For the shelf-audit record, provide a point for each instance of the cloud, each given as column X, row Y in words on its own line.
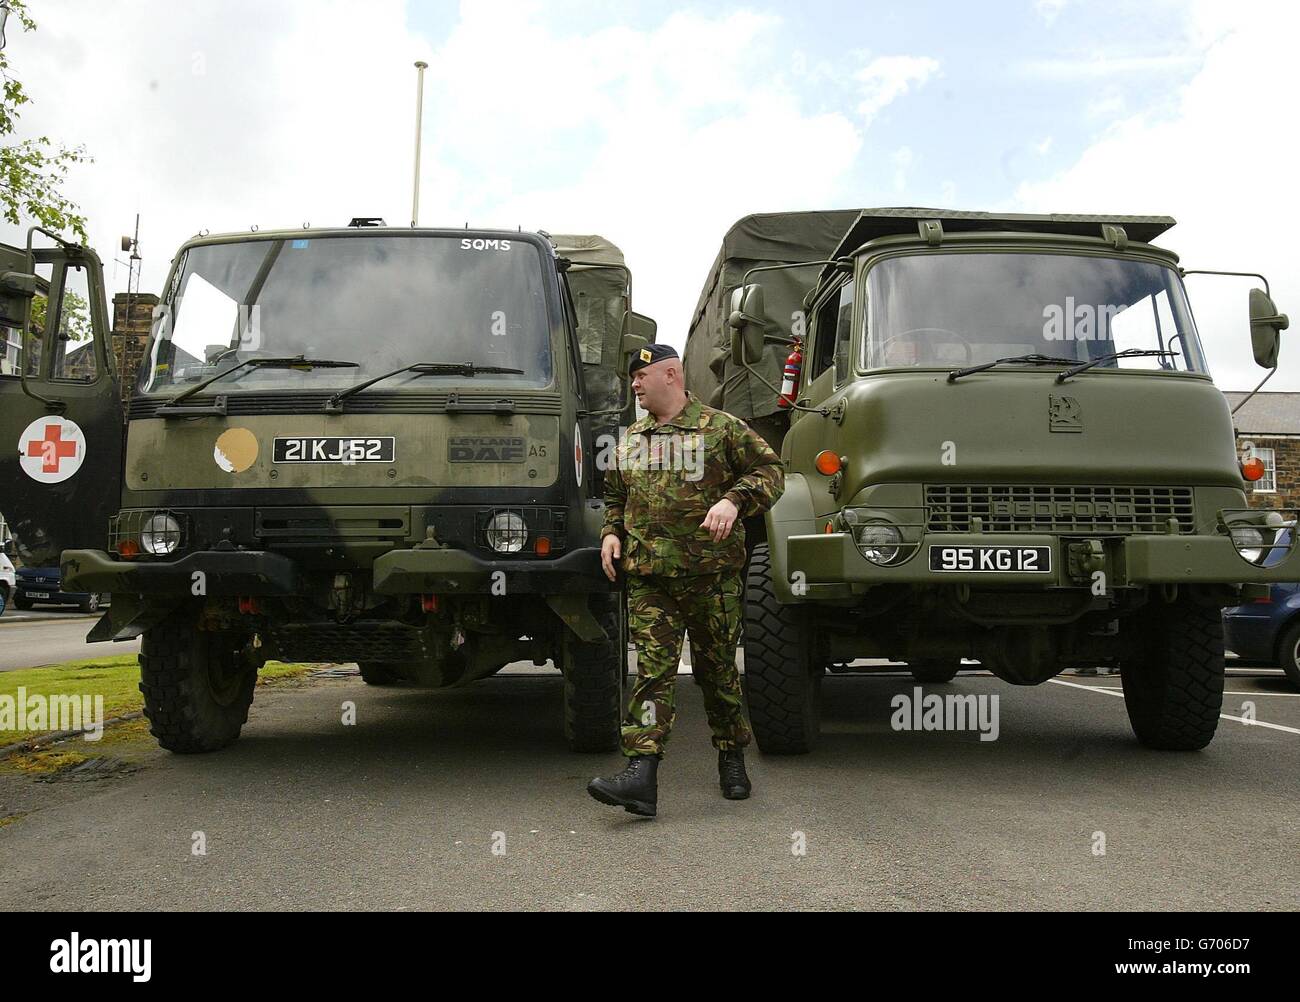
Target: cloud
column 902, row 159
column 887, row 78
column 1222, row 164
column 1104, row 66
column 657, row 137
column 1050, row 10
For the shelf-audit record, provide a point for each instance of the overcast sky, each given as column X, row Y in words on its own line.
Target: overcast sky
column 658, row 125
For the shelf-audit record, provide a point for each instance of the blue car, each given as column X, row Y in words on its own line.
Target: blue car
column 41, row 585
column 1268, row 629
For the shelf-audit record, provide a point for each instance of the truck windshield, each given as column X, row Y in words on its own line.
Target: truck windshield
column 954, row 310
column 382, row 301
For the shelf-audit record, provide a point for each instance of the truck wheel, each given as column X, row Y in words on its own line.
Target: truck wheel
column 934, row 671
column 782, row 679
column 89, row 604
column 1173, row 680
column 197, row 686
column 594, row 676
column 4, row 599
column 1288, row 653
column 376, row 673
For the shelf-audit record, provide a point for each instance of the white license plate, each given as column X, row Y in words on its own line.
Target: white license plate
column 992, row 559
column 38, row 594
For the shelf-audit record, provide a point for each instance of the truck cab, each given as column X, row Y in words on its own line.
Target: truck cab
column 363, row 444
column 1005, row 446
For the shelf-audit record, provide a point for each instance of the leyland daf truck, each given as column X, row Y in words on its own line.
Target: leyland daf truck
column 363, row 444
column 1002, row 443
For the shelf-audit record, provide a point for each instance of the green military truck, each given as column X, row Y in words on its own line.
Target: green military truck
column 363, row 444
column 1005, row 445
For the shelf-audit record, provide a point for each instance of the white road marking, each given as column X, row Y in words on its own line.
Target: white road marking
column 1225, row 716
column 1226, row 692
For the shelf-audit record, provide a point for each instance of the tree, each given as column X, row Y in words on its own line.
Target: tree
column 32, row 172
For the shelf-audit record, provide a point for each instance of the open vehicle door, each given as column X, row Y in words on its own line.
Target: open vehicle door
column 61, row 420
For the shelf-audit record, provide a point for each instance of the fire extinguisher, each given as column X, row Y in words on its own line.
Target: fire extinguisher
column 790, row 381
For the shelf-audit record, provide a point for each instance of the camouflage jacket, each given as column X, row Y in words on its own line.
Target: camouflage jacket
column 666, row 478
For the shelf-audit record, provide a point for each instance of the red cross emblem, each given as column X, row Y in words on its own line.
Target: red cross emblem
column 51, row 449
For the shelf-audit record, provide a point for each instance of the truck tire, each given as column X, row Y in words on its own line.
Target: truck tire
column 376, row 673
column 783, row 680
column 1173, row 679
column 1288, row 653
column 594, row 677
column 4, row 599
column 197, row 686
column 934, row 672
column 90, row 603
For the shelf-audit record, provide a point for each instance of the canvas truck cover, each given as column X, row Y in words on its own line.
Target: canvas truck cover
column 768, row 238
column 602, row 293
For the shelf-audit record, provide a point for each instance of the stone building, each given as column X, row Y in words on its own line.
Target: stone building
column 132, row 318
column 1270, row 423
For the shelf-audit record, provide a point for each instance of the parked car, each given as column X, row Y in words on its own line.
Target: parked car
column 1268, row 629
column 41, row 586
column 7, row 582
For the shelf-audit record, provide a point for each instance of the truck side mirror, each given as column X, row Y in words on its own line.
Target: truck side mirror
column 748, row 325
column 16, row 291
column 644, row 327
column 632, row 343
column 1266, row 326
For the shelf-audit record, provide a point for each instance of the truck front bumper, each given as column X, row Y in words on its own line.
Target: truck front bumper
column 831, row 560
column 398, row 572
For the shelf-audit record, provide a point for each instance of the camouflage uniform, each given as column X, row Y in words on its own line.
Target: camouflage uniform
column 677, row 576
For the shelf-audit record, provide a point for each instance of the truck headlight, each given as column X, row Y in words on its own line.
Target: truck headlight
column 161, row 535
column 879, row 542
column 1249, row 542
column 507, row 532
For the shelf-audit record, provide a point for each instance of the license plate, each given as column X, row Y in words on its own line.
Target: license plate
column 992, row 559
column 38, row 594
column 316, row 449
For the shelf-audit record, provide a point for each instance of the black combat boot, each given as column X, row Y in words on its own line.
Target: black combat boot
column 635, row 789
column 731, row 775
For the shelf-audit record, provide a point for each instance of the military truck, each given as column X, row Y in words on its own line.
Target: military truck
column 1005, row 445
column 363, row 444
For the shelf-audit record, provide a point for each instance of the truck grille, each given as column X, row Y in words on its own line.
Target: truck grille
column 1038, row 508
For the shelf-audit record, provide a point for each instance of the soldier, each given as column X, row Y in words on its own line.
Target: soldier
column 686, row 474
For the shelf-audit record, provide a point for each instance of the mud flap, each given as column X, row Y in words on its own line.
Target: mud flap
column 127, row 618
column 576, row 615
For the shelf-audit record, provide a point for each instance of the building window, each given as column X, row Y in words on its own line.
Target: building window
column 1267, row 484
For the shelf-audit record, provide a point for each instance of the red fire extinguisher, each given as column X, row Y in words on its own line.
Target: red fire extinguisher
column 790, row 381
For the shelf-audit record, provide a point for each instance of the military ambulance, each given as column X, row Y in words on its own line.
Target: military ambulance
column 363, row 444
column 1001, row 443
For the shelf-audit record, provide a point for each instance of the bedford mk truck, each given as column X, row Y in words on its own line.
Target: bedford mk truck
column 363, row 444
column 1004, row 445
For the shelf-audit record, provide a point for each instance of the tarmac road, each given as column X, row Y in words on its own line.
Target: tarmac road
column 32, row 639
column 404, row 810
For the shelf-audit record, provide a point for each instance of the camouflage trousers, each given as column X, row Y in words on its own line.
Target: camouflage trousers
column 659, row 608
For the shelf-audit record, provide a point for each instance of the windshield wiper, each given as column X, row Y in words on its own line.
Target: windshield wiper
column 334, row 405
column 1034, row 359
column 1126, row 353
column 294, row 362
